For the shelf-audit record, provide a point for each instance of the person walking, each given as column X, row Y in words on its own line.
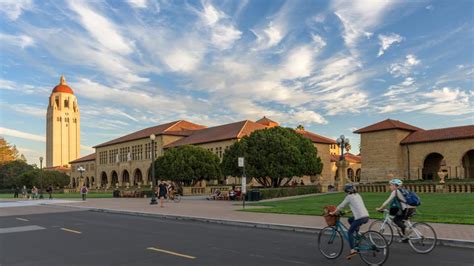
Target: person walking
column 162, row 189
column 84, row 191
column 50, row 191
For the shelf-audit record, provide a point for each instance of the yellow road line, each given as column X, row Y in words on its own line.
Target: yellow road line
column 172, row 253
column 72, row 231
column 22, row 219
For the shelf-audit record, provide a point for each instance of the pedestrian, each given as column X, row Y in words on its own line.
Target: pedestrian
column 34, row 192
column 84, row 191
column 24, row 192
column 16, row 192
column 50, row 191
column 162, row 188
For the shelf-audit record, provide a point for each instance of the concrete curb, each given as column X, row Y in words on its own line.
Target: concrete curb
column 282, row 227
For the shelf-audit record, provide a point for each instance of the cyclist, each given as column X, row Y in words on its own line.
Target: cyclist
column 398, row 207
column 171, row 191
column 361, row 215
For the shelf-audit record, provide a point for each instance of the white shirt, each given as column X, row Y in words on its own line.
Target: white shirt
column 401, row 199
column 356, row 204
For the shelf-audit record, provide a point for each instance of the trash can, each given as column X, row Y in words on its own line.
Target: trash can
column 255, row 195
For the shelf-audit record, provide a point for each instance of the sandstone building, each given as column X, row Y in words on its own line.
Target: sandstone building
column 391, row 148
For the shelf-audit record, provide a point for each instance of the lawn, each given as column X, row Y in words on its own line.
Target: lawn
column 64, row 195
column 438, row 208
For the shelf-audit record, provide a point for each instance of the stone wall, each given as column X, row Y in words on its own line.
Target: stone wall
column 382, row 154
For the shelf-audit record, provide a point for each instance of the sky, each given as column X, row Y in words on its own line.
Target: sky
column 331, row 66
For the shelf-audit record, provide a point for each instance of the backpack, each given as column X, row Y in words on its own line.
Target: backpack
column 84, row 190
column 411, row 198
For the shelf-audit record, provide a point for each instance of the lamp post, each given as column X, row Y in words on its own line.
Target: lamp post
column 342, row 164
column 41, row 171
column 153, row 196
column 81, row 170
column 343, row 142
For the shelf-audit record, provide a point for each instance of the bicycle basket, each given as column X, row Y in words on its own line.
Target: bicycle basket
column 330, row 219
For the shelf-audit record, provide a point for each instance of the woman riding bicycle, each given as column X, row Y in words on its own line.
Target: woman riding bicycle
column 361, row 215
column 398, row 206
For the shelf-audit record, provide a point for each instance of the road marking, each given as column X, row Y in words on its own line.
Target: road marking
column 172, row 253
column 70, row 230
column 22, row 219
column 20, row 229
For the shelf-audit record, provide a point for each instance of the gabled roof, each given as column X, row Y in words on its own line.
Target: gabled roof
column 90, row 157
column 450, row 133
column 235, row 130
column 348, row 156
column 267, row 122
column 386, row 125
column 315, row 137
column 176, row 128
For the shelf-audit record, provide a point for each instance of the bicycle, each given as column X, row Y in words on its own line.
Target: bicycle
column 371, row 246
column 421, row 236
column 176, row 198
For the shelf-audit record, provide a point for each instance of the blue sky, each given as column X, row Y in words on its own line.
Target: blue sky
column 332, row 66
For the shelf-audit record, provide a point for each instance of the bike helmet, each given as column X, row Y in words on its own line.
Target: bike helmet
column 349, row 188
column 397, row 182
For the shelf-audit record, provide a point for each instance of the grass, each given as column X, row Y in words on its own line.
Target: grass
column 438, row 208
column 64, row 195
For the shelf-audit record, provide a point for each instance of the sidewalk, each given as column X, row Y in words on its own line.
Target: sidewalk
column 228, row 212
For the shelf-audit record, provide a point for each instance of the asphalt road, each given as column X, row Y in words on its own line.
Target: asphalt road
column 92, row 238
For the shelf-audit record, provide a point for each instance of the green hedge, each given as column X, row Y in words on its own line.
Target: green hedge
column 270, row 193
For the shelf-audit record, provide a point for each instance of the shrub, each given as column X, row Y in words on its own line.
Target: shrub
column 270, row 193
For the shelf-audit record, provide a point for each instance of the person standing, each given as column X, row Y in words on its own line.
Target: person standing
column 84, row 191
column 34, row 192
column 24, row 192
column 16, row 192
column 162, row 189
column 50, row 191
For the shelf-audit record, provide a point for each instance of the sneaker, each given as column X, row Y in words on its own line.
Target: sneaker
column 352, row 254
column 404, row 240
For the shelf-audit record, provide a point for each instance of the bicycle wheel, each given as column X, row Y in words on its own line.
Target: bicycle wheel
column 422, row 237
column 383, row 228
column 330, row 242
column 373, row 248
column 177, row 198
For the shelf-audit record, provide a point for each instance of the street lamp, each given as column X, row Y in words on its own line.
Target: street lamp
column 81, row 170
column 343, row 142
column 41, row 168
column 153, row 196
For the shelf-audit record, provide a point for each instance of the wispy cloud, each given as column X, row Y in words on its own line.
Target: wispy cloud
column 14, row 8
column 405, row 67
column 386, row 41
column 20, row 134
column 21, row 41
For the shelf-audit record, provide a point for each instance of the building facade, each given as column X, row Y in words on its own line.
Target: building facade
column 63, row 123
column 391, row 148
column 126, row 161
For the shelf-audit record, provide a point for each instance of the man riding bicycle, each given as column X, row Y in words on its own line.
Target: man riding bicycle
column 361, row 215
column 398, row 207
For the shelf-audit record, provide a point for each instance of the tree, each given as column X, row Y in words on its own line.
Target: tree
column 8, row 153
column 11, row 170
column 188, row 164
column 273, row 156
column 300, row 127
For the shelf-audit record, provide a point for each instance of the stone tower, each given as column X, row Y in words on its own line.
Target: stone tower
column 63, row 135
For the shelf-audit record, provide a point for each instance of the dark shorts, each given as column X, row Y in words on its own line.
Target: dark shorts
column 162, row 195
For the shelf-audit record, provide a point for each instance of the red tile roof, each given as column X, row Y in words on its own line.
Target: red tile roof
column 180, row 128
column 387, row 124
column 348, row 156
column 63, row 88
column 235, row 130
column 450, row 133
column 315, row 137
column 90, row 157
column 267, row 122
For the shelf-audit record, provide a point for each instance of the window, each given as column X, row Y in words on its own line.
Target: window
column 103, row 157
column 113, row 156
column 66, row 103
